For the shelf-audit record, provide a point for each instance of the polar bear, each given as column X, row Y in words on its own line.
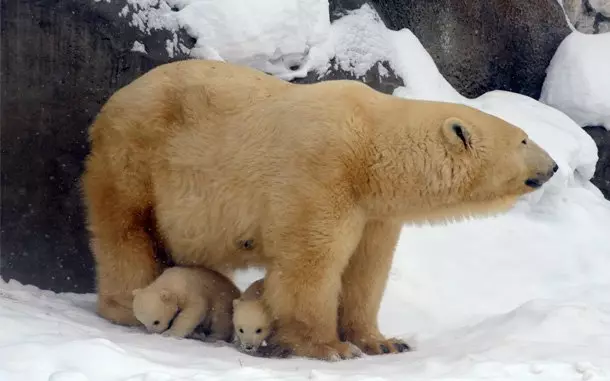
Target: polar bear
column 182, row 298
column 251, row 319
column 197, row 157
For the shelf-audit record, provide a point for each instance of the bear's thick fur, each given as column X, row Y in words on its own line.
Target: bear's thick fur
column 199, row 157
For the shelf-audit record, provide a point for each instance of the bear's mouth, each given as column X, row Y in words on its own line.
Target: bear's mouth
column 171, row 321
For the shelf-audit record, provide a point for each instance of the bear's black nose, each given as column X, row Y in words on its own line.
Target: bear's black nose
column 555, row 168
column 533, row 183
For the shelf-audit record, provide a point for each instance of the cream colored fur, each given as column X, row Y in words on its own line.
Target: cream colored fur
column 251, row 318
column 187, row 297
column 197, row 157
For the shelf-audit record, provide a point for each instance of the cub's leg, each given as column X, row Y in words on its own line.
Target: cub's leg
column 303, row 282
column 188, row 318
column 221, row 327
column 364, row 282
column 123, row 250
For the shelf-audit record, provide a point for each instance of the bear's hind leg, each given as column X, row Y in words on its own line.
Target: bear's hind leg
column 122, row 246
column 122, row 265
column 364, row 282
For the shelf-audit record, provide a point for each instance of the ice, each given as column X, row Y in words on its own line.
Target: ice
column 520, row 296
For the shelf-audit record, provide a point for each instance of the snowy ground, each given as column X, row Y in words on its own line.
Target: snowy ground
column 522, row 296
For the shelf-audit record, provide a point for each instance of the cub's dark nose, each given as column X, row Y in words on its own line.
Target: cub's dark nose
column 541, row 178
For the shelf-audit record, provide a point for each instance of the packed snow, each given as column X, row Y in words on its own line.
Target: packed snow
column 578, row 79
column 520, row 296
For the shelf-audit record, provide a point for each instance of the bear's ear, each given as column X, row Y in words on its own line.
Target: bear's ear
column 135, row 291
column 458, row 134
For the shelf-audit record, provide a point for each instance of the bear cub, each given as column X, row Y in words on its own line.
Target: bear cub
column 183, row 298
column 251, row 319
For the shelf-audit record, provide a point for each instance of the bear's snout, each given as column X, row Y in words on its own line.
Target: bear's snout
column 542, row 177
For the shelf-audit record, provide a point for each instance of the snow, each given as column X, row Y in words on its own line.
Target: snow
column 578, row 79
column 520, row 296
column 138, row 47
column 275, row 36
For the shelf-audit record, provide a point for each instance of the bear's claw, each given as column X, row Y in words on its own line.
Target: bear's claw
column 382, row 346
column 328, row 352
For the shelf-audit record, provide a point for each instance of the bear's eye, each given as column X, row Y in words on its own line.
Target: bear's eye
column 156, row 322
column 258, row 331
column 523, row 141
column 241, row 330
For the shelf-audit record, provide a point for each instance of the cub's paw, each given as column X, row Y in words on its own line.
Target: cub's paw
column 174, row 334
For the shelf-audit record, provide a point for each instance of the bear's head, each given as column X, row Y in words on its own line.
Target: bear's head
column 155, row 309
column 494, row 160
column 252, row 324
column 450, row 160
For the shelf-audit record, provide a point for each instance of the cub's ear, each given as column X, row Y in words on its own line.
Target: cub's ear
column 135, row 291
column 235, row 302
column 458, row 134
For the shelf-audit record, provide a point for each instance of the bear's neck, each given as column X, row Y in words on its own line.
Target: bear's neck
column 398, row 180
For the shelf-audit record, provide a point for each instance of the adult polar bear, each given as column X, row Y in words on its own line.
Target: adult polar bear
column 200, row 156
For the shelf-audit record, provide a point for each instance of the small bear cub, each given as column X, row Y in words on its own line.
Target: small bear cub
column 251, row 318
column 183, row 298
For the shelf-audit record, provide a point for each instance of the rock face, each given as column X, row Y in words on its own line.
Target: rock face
column 589, row 16
column 60, row 61
column 481, row 45
column 601, row 136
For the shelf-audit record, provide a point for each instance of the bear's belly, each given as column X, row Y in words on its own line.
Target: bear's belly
column 211, row 228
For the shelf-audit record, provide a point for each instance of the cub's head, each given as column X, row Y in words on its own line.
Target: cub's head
column 156, row 309
column 487, row 159
column 252, row 324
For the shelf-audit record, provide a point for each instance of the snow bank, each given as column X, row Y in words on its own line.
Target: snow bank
column 276, row 36
column 578, row 79
column 521, row 296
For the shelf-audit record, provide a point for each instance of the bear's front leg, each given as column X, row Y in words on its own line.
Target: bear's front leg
column 302, row 287
column 364, row 282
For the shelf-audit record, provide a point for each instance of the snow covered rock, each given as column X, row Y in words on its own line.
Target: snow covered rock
column 589, row 16
column 480, row 46
column 578, row 84
column 578, row 79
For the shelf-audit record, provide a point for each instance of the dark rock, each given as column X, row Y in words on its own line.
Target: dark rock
column 61, row 60
column 484, row 45
column 601, row 179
